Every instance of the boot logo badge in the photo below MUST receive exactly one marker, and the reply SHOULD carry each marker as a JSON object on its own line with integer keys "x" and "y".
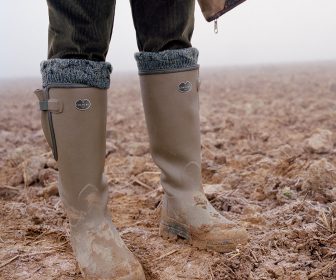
{"x": 185, "y": 87}
{"x": 83, "y": 104}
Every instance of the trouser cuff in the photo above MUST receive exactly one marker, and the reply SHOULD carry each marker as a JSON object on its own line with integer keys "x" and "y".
{"x": 167, "y": 61}
{"x": 76, "y": 71}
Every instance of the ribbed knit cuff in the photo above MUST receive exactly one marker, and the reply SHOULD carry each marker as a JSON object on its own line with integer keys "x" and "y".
{"x": 167, "y": 61}
{"x": 76, "y": 71}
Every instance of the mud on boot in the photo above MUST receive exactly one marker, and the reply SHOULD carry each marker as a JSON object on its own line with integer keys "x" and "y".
{"x": 74, "y": 123}
{"x": 171, "y": 104}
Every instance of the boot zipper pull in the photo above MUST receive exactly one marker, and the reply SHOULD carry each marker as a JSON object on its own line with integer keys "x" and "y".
{"x": 216, "y": 26}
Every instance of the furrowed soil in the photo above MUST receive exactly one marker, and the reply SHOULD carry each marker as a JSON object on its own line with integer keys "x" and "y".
{"x": 268, "y": 162}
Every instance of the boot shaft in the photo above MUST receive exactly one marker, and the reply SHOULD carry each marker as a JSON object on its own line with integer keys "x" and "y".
{"x": 171, "y": 105}
{"x": 74, "y": 123}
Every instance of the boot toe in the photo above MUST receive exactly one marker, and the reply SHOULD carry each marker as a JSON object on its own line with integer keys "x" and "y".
{"x": 221, "y": 239}
{"x": 136, "y": 274}
{"x": 129, "y": 272}
{"x": 102, "y": 254}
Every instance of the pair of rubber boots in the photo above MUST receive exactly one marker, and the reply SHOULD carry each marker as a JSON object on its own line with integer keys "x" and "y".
{"x": 74, "y": 123}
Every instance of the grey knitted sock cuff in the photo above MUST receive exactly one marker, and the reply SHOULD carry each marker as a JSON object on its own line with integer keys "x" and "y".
{"x": 76, "y": 71}
{"x": 167, "y": 61}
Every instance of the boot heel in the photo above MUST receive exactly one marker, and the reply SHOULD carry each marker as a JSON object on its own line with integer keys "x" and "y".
{"x": 166, "y": 233}
{"x": 173, "y": 231}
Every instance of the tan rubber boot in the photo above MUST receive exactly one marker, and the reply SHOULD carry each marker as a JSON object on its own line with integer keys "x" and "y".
{"x": 74, "y": 123}
{"x": 171, "y": 105}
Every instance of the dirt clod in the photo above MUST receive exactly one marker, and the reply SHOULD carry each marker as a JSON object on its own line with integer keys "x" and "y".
{"x": 31, "y": 169}
{"x": 320, "y": 142}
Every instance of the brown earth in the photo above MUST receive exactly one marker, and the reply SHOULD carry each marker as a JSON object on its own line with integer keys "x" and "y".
{"x": 268, "y": 148}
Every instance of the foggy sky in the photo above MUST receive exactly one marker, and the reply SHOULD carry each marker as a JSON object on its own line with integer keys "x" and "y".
{"x": 258, "y": 31}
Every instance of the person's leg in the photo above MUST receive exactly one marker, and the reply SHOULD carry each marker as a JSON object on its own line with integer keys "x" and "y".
{"x": 162, "y": 25}
{"x": 78, "y": 40}
{"x": 73, "y": 107}
{"x": 80, "y": 29}
{"x": 169, "y": 85}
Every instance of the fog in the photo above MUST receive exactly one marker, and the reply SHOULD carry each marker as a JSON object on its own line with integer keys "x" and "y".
{"x": 256, "y": 32}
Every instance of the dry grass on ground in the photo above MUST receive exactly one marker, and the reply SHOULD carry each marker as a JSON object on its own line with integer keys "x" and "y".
{"x": 268, "y": 148}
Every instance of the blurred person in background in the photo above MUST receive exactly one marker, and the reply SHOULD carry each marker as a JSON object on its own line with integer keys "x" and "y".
{"x": 73, "y": 104}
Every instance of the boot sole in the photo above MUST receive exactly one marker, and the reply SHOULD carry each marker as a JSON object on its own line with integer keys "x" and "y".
{"x": 175, "y": 230}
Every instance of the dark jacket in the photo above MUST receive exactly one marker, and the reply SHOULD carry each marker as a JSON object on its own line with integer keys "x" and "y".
{"x": 212, "y": 9}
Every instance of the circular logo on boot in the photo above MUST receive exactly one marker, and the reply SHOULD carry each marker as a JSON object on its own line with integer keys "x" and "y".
{"x": 83, "y": 104}
{"x": 185, "y": 87}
